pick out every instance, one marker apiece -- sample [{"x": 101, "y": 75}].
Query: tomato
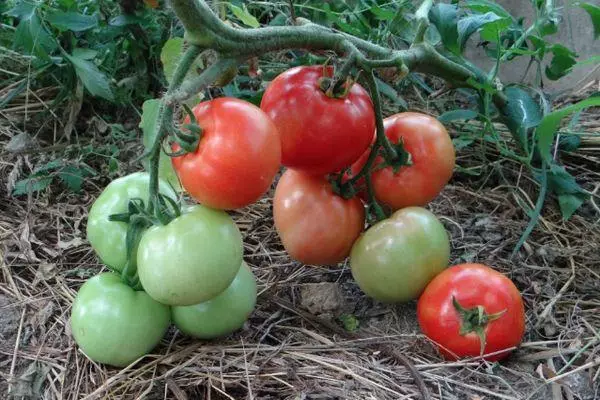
[
  {"x": 192, "y": 259},
  {"x": 237, "y": 157},
  {"x": 316, "y": 226},
  {"x": 432, "y": 154},
  {"x": 222, "y": 314},
  {"x": 396, "y": 258},
  {"x": 114, "y": 324},
  {"x": 487, "y": 304},
  {"x": 107, "y": 237},
  {"x": 319, "y": 134}
]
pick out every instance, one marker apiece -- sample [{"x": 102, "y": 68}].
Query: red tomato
[
  {"x": 237, "y": 157},
  {"x": 319, "y": 134},
  {"x": 432, "y": 152},
  {"x": 472, "y": 286},
  {"x": 316, "y": 226}
]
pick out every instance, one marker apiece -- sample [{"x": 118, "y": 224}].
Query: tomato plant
[
  {"x": 316, "y": 226},
  {"x": 114, "y": 324},
  {"x": 470, "y": 310},
  {"x": 237, "y": 157},
  {"x": 432, "y": 161},
  {"x": 192, "y": 259},
  {"x": 319, "y": 134},
  {"x": 396, "y": 258},
  {"x": 107, "y": 237},
  {"x": 222, "y": 314}
]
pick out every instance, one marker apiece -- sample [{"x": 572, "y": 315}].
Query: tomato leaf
[
  {"x": 594, "y": 12},
  {"x": 547, "y": 128},
  {"x": 471, "y": 24},
  {"x": 563, "y": 60},
  {"x": 93, "y": 79},
  {"x": 71, "y": 21},
  {"x": 455, "y": 115},
  {"x": 484, "y": 6},
  {"x": 31, "y": 185},
  {"x": 391, "y": 93},
  {"x": 490, "y": 31},
  {"x": 570, "y": 195},
  {"x": 170, "y": 56},
  {"x": 444, "y": 17},
  {"x": 30, "y": 35},
  {"x": 521, "y": 113},
  {"x": 243, "y": 15}
]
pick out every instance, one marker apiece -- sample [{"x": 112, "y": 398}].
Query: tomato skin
[
  {"x": 114, "y": 324},
  {"x": 433, "y": 156},
  {"x": 237, "y": 157},
  {"x": 192, "y": 259},
  {"x": 107, "y": 237},
  {"x": 315, "y": 225},
  {"x": 319, "y": 134},
  {"x": 222, "y": 314},
  {"x": 396, "y": 258},
  {"x": 471, "y": 285}
]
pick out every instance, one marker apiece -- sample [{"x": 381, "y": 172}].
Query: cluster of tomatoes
[{"x": 190, "y": 269}]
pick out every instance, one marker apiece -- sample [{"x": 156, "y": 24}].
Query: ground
[{"x": 295, "y": 346}]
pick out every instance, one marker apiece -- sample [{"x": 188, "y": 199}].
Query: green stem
[
  {"x": 382, "y": 140},
  {"x": 373, "y": 204},
  {"x": 422, "y": 16}
]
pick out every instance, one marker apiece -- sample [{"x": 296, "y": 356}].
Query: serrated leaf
[
  {"x": 570, "y": 195},
  {"x": 71, "y": 21},
  {"x": 456, "y": 115},
  {"x": 31, "y": 185},
  {"x": 491, "y": 31},
  {"x": 594, "y": 12},
  {"x": 547, "y": 128},
  {"x": 471, "y": 24},
  {"x": 72, "y": 177},
  {"x": 563, "y": 60},
  {"x": 49, "y": 166},
  {"x": 483, "y": 6},
  {"x": 444, "y": 17},
  {"x": 31, "y": 35},
  {"x": 244, "y": 16},
  {"x": 520, "y": 113},
  {"x": 93, "y": 79}
]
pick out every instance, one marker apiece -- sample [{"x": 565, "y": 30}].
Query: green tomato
[
  {"x": 223, "y": 314},
  {"x": 107, "y": 237},
  {"x": 192, "y": 259},
  {"x": 114, "y": 324},
  {"x": 396, "y": 258}
]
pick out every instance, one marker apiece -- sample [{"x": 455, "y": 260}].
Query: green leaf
[
  {"x": 30, "y": 35},
  {"x": 492, "y": 30},
  {"x": 471, "y": 24},
  {"x": 31, "y": 185},
  {"x": 455, "y": 115},
  {"x": 484, "y": 6},
  {"x": 594, "y": 12},
  {"x": 383, "y": 13},
  {"x": 547, "y": 128},
  {"x": 563, "y": 60},
  {"x": 444, "y": 17},
  {"x": 520, "y": 114},
  {"x": 71, "y": 21},
  {"x": 243, "y": 15},
  {"x": 570, "y": 195},
  {"x": 84, "y": 54},
  {"x": 72, "y": 177},
  {"x": 124, "y": 20},
  {"x": 93, "y": 79},
  {"x": 350, "y": 322},
  {"x": 170, "y": 56},
  {"x": 49, "y": 166},
  {"x": 391, "y": 94}
]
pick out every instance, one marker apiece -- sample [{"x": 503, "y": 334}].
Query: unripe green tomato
[
  {"x": 396, "y": 258},
  {"x": 223, "y": 314},
  {"x": 107, "y": 237},
  {"x": 192, "y": 259},
  {"x": 114, "y": 324}
]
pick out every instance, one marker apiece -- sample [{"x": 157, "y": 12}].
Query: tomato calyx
[
  {"x": 335, "y": 89},
  {"x": 402, "y": 158},
  {"x": 475, "y": 320},
  {"x": 188, "y": 142}
]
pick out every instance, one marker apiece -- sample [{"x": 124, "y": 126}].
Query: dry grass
[{"x": 293, "y": 349}]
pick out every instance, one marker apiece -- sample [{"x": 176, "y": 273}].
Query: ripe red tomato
[
  {"x": 237, "y": 158},
  {"x": 316, "y": 226},
  {"x": 476, "y": 288},
  {"x": 319, "y": 134},
  {"x": 432, "y": 152}
]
